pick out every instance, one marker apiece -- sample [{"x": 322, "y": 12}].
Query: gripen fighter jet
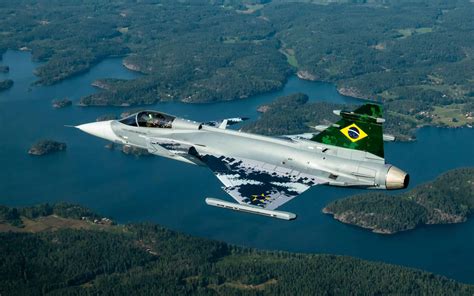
[{"x": 262, "y": 173}]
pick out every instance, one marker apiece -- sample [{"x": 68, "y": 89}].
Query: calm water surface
[{"x": 172, "y": 194}]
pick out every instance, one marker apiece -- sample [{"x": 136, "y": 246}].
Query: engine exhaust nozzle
[{"x": 396, "y": 179}]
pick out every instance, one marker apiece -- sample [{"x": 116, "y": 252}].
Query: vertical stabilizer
[{"x": 360, "y": 129}]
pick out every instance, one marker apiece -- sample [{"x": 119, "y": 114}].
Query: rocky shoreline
[
  {"x": 306, "y": 75},
  {"x": 101, "y": 84},
  {"x": 357, "y": 219},
  {"x": 351, "y": 92},
  {"x": 263, "y": 108},
  {"x": 58, "y": 104},
  {"x": 349, "y": 217},
  {"x": 130, "y": 66}
]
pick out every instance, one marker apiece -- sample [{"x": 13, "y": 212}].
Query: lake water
[{"x": 172, "y": 194}]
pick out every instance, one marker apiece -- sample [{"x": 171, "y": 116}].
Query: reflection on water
[{"x": 136, "y": 189}]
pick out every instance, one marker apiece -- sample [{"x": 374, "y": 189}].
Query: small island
[
  {"x": 44, "y": 147},
  {"x": 61, "y": 103},
  {"x": 4, "y": 69},
  {"x": 6, "y": 84},
  {"x": 448, "y": 199}
]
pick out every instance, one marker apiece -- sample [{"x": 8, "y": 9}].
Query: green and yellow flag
[{"x": 360, "y": 129}]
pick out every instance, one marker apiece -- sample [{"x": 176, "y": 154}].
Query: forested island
[
  {"x": 417, "y": 56},
  {"x": 67, "y": 249},
  {"x": 448, "y": 199},
  {"x": 43, "y": 147},
  {"x": 293, "y": 114},
  {"x": 6, "y": 84}
]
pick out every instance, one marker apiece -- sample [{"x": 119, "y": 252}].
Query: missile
[{"x": 249, "y": 209}]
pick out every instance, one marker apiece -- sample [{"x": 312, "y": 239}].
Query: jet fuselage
[{"x": 186, "y": 140}]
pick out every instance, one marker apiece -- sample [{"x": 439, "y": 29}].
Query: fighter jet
[{"x": 260, "y": 172}]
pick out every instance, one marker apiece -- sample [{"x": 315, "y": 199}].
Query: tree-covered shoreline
[
  {"x": 81, "y": 254},
  {"x": 448, "y": 199}
]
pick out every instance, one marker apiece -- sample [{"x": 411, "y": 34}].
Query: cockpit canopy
[{"x": 151, "y": 119}]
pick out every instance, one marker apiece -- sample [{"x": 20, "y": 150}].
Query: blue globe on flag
[{"x": 353, "y": 132}]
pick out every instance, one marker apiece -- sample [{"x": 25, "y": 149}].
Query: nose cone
[
  {"x": 101, "y": 129},
  {"x": 396, "y": 179}
]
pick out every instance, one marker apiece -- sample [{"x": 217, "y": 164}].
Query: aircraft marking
[{"x": 353, "y": 133}]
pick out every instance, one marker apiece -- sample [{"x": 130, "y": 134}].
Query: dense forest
[
  {"x": 292, "y": 114},
  {"x": 145, "y": 259},
  {"x": 448, "y": 199},
  {"x": 411, "y": 46},
  {"x": 414, "y": 55}
]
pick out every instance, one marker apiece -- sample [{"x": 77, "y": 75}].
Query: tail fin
[{"x": 360, "y": 129}]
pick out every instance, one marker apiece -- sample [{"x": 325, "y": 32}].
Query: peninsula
[
  {"x": 447, "y": 199},
  {"x": 67, "y": 249}
]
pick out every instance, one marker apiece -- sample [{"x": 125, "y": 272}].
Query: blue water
[{"x": 172, "y": 194}]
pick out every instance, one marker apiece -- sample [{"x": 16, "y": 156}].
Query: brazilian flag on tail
[{"x": 360, "y": 129}]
